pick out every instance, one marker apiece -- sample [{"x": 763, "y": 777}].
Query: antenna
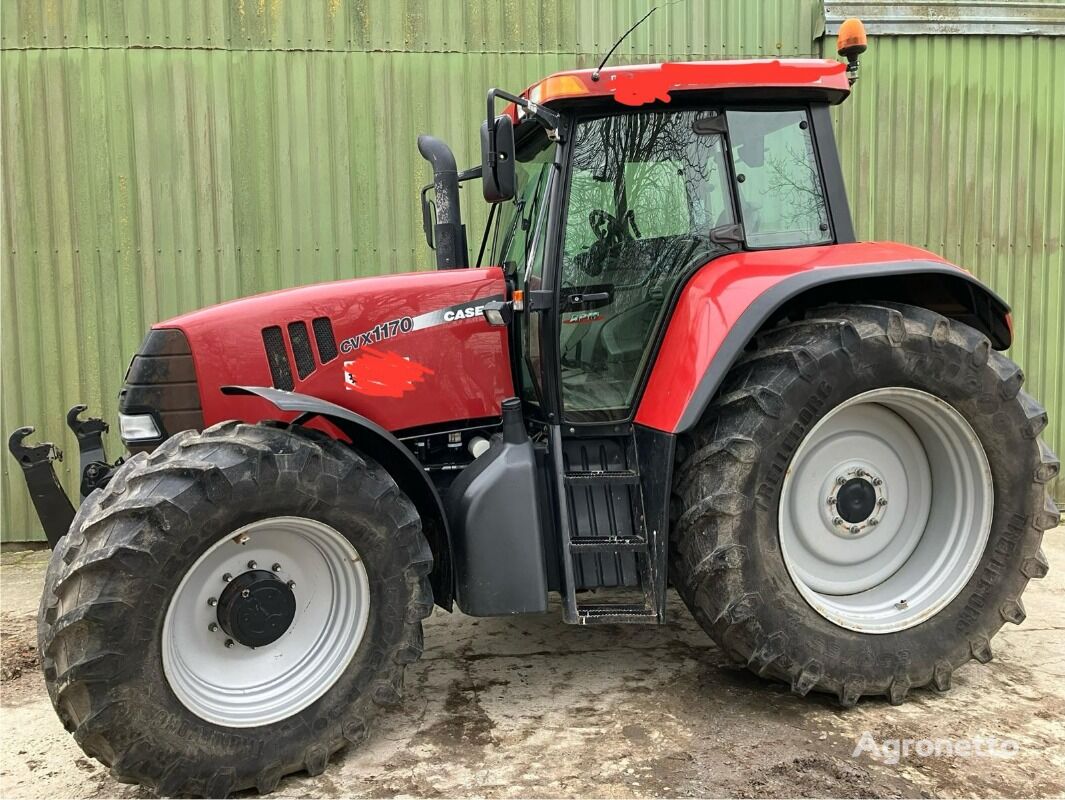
[{"x": 595, "y": 75}]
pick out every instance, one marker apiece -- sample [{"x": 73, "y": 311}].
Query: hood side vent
[
  {"x": 301, "y": 348},
  {"x": 277, "y": 357},
  {"x": 323, "y": 336}
]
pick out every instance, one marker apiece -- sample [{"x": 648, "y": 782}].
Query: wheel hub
[
  {"x": 856, "y": 500},
  {"x": 256, "y": 608}
]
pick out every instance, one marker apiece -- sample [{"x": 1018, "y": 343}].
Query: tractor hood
[{"x": 404, "y": 350}]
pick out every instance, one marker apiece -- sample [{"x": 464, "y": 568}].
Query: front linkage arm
[{"x": 54, "y": 508}]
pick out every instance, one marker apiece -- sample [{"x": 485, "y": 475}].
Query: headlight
[{"x": 138, "y": 427}]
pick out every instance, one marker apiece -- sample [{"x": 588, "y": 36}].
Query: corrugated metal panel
[
  {"x": 573, "y": 27},
  {"x": 992, "y": 17},
  {"x": 158, "y": 157},
  {"x": 956, "y": 144},
  {"x": 139, "y": 182},
  {"x": 142, "y": 183}
]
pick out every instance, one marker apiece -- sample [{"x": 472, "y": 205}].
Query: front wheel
[
  {"x": 232, "y": 608},
  {"x": 863, "y": 504}
]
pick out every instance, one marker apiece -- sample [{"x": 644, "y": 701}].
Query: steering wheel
[
  {"x": 608, "y": 228},
  {"x": 610, "y": 232}
]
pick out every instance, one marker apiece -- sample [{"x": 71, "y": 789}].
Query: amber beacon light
[{"x": 851, "y": 43}]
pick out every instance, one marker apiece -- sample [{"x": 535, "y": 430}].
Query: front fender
[
  {"x": 390, "y": 453},
  {"x": 730, "y": 299}
]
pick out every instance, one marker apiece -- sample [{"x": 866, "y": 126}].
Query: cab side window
[{"x": 782, "y": 199}]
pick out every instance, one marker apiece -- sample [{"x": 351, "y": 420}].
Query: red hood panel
[{"x": 412, "y": 349}]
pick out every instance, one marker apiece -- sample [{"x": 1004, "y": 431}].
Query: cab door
[{"x": 647, "y": 192}]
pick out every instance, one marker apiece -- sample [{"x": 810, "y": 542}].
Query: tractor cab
[{"x": 610, "y": 188}]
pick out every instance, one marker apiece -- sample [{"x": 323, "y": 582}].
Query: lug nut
[
  {"x": 212, "y": 627},
  {"x": 229, "y": 642},
  {"x": 877, "y": 482},
  {"x": 245, "y": 592},
  {"x": 831, "y": 501},
  {"x": 276, "y": 567},
  {"x": 874, "y": 521},
  {"x": 855, "y": 530},
  {"x": 291, "y": 584},
  {"x": 227, "y": 577},
  {"x": 860, "y": 473},
  {"x": 212, "y": 601},
  {"x": 882, "y": 501},
  {"x": 252, "y": 565},
  {"x": 837, "y": 521},
  {"x": 841, "y": 480}
]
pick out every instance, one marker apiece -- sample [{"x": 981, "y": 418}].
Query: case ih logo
[{"x": 430, "y": 319}]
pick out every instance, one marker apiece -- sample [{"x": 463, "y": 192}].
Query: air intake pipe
[{"x": 449, "y": 232}]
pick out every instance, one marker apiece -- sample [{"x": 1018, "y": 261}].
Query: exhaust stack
[{"x": 449, "y": 232}]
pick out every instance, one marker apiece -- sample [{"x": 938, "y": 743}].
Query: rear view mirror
[{"x": 497, "y": 159}]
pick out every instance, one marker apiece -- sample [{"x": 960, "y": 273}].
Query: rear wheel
[
  {"x": 862, "y": 505},
  {"x": 233, "y": 608}
]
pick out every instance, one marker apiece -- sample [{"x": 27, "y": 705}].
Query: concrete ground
[{"x": 532, "y": 707}]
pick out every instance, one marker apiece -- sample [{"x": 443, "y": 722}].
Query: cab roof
[{"x": 640, "y": 84}]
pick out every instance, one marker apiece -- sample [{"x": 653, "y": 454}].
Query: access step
[
  {"x": 599, "y": 477},
  {"x": 608, "y": 544},
  {"x": 616, "y": 614}
]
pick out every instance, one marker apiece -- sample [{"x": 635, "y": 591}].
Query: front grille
[
  {"x": 161, "y": 381},
  {"x": 323, "y": 336},
  {"x": 301, "y": 348},
  {"x": 277, "y": 357}
]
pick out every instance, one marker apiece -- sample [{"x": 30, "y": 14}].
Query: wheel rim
[
  {"x": 242, "y": 686},
  {"x": 885, "y": 510}
]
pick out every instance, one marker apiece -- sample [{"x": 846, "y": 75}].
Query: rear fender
[
  {"x": 716, "y": 318},
  {"x": 389, "y": 452}
]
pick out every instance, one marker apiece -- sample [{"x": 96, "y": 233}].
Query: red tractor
[{"x": 679, "y": 368}]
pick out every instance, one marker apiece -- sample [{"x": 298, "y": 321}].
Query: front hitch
[
  {"x": 50, "y": 500},
  {"x": 53, "y": 506},
  {"x": 95, "y": 470}
]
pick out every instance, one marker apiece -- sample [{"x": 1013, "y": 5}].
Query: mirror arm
[
  {"x": 551, "y": 120},
  {"x": 469, "y": 174}
]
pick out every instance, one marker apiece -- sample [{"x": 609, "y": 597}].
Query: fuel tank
[{"x": 404, "y": 350}]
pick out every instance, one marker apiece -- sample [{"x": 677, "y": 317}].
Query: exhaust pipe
[{"x": 449, "y": 232}]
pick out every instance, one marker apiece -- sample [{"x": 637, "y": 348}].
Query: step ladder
[{"x": 608, "y": 540}]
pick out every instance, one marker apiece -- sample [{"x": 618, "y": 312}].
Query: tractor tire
[
  {"x": 135, "y": 660},
  {"x": 809, "y": 539}
]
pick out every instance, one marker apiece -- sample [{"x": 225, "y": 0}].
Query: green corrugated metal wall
[{"x": 161, "y": 156}]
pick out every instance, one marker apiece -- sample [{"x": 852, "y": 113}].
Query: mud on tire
[
  {"x": 110, "y": 580},
  {"x": 726, "y": 554}
]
